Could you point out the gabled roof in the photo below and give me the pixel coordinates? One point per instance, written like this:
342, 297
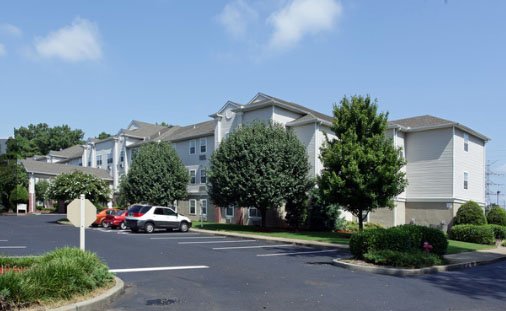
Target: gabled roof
193, 131
428, 122
263, 100
227, 104
145, 132
308, 118
55, 169
68, 153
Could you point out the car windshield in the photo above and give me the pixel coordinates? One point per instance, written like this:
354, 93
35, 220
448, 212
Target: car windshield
118, 212
139, 209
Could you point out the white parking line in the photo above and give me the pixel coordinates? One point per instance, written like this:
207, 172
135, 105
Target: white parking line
158, 269
211, 242
190, 237
12, 246
296, 253
4, 240
258, 246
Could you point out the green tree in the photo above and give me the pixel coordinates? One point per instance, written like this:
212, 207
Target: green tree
18, 195
496, 215
322, 215
41, 190
103, 135
157, 176
11, 175
69, 186
362, 168
39, 139
259, 165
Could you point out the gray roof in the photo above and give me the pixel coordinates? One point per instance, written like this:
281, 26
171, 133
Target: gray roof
146, 130
55, 169
428, 122
270, 100
308, 118
192, 131
68, 153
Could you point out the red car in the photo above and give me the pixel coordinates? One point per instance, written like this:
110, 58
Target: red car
115, 219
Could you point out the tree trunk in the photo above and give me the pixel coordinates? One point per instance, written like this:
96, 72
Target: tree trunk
263, 211
360, 222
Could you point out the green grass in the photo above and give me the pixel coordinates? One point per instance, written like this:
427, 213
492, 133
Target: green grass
455, 247
328, 237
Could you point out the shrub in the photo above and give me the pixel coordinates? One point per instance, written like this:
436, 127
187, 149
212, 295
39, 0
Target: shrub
18, 195
472, 234
405, 238
499, 231
497, 216
413, 259
353, 226
470, 213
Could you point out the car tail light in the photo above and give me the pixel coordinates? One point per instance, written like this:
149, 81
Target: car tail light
137, 214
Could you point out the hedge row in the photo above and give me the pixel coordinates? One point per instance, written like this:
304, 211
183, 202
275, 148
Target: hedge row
484, 234
416, 259
404, 238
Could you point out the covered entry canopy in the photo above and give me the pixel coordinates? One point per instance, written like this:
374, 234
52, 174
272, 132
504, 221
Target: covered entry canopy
39, 169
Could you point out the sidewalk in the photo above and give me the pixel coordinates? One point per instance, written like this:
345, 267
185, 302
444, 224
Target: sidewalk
471, 259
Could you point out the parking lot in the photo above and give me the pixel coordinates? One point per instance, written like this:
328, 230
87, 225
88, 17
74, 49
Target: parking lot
193, 271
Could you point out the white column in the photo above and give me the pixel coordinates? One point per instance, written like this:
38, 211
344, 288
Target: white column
217, 133
84, 157
93, 159
31, 194
115, 163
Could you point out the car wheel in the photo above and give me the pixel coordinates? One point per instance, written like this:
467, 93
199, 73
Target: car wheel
102, 224
149, 227
183, 227
105, 225
122, 226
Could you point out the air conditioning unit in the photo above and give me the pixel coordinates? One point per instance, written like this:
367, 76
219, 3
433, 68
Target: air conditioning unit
202, 157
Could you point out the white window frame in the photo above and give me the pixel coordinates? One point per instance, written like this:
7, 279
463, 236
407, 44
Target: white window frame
466, 180
99, 160
193, 177
256, 213
203, 145
194, 206
122, 156
205, 176
203, 206
466, 142
192, 144
110, 160
226, 210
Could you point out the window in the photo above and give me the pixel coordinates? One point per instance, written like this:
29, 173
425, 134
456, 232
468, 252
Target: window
193, 176
193, 145
109, 158
203, 207
229, 211
203, 145
193, 207
89, 163
466, 180
122, 156
99, 160
466, 142
169, 212
203, 176
254, 212
158, 211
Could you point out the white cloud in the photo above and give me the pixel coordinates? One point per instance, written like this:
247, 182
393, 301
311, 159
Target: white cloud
302, 17
3, 51
236, 16
10, 30
78, 42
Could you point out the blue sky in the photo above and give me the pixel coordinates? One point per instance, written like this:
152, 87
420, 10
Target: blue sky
96, 65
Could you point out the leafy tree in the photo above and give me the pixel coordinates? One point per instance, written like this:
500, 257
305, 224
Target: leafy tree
67, 187
18, 195
322, 215
470, 213
39, 139
362, 168
259, 165
157, 176
103, 135
11, 175
41, 190
496, 215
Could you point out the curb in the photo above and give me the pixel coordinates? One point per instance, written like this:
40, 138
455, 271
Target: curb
97, 303
413, 272
268, 238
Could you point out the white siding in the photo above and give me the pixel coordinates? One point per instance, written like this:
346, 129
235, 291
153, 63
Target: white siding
430, 164
399, 142
320, 141
306, 134
262, 115
284, 116
472, 162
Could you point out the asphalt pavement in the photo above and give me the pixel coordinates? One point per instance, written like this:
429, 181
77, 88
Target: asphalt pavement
197, 271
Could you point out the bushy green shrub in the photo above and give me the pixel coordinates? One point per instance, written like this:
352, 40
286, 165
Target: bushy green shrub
18, 195
353, 226
470, 213
57, 275
405, 238
497, 216
472, 234
499, 231
323, 216
413, 259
